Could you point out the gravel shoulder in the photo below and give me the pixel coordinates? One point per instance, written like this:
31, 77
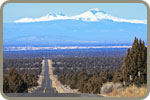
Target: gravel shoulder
56, 84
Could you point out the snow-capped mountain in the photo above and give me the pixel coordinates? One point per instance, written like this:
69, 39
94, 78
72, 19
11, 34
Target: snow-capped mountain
48, 17
91, 28
90, 15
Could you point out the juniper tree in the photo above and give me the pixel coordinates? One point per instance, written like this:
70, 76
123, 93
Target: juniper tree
15, 82
135, 64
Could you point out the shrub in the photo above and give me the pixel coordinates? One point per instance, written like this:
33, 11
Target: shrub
109, 87
13, 82
131, 91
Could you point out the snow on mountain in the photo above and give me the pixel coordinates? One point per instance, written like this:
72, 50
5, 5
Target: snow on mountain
97, 15
90, 15
48, 17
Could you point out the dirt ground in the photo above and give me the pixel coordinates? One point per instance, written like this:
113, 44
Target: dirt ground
56, 84
30, 90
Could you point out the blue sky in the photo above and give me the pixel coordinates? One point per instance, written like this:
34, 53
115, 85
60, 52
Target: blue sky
15, 11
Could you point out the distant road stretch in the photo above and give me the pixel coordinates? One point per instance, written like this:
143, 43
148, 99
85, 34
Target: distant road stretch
46, 89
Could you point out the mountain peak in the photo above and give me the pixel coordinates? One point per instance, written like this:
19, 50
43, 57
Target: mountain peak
55, 15
94, 14
61, 14
96, 10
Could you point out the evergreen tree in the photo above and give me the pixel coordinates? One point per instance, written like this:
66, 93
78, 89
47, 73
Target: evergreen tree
5, 84
134, 68
15, 82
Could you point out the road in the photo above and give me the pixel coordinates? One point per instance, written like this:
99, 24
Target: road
46, 86
46, 89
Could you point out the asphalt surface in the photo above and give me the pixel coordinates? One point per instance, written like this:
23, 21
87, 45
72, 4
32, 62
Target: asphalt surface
46, 89
46, 86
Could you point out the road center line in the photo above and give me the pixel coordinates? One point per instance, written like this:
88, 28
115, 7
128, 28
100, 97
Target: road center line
45, 88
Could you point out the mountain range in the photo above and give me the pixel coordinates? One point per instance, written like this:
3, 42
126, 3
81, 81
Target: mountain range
90, 15
93, 27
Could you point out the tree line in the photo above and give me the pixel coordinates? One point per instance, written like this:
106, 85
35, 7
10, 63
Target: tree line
18, 80
132, 70
87, 74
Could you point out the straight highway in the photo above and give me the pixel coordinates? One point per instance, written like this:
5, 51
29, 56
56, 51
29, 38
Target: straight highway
46, 89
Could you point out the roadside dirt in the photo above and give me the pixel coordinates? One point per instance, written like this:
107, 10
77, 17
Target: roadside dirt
30, 90
56, 84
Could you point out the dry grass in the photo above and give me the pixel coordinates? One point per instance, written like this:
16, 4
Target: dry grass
56, 84
131, 91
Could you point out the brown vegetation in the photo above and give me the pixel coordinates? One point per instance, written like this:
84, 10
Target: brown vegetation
20, 80
131, 91
89, 74
56, 84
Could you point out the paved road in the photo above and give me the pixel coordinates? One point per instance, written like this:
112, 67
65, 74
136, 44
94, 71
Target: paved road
46, 89
46, 86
